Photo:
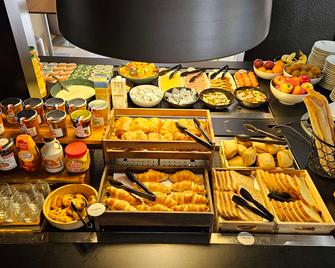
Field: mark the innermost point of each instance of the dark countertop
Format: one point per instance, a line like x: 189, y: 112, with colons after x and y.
x: 57, y: 249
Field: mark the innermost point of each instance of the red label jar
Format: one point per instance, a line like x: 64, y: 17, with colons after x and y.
x: 77, y: 157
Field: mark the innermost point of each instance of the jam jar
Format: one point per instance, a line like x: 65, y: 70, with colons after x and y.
x: 55, y: 104
x: 77, y: 157
x: 100, y: 112
x: 57, y: 122
x: 28, y: 122
x: 76, y: 104
x: 10, y: 107
x: 81, y: 120
x: 8, y: 154
x: 35, y: 104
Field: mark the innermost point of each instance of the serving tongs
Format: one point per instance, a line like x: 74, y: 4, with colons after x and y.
x: 177, y: 67
x: 186, y: 73
x: 244, y: 203
x: 282, y: 197
x: 147, y: 194
x: 197, y: 75
x: 224, y: 69
x: 206, y: 143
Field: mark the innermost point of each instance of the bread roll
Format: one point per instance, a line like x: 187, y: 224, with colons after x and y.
x: 249, y: 156
x: 230, y: 148
x: 272, y: 148
x: 266, y: 161
x: 241, y: 149
x: 284, y: 159
x: 237, y: 161
x: 260, y: 147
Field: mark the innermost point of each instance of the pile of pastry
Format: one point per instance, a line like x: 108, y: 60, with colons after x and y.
x: 299, y: 204
x: 154, y: 129
x: 227, y: 184
x: 181, y: 191
x: 61, y: 209
x: 265, y: 156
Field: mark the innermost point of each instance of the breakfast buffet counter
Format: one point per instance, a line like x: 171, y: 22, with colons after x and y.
x: 180, y: 248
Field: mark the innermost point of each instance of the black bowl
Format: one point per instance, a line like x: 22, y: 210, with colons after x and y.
x: 183, y: 105
x: 249, y: 104
x: 228, y: 94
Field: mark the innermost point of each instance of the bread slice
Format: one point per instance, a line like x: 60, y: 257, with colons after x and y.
x: 295, y: 213
x: 293, y: 185
x: 306, y: 195
x: 261, y: 176
x: 218, y: 203
x: 230, y: 183
x: 241, y: 179
x: 227, y: 204
x: 216, y: 181
x: 277, y: 185
x: 282, y: 210
x: 277, y: 210
x: 281, y: 183
x: 230, y: 148
x: 311, y: 213
x: 288, y: 212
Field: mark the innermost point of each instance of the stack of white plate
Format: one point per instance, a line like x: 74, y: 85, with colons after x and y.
x: 328, y: 79
x: 320, y: 51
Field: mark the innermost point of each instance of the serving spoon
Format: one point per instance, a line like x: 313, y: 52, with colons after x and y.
x: 61, y: 83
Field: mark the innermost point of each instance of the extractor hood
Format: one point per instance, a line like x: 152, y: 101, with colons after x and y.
x: 165, y: 30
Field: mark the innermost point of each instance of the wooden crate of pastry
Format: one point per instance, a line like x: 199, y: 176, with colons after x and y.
x: 138, y: 212
x: 151, y: 133
x: 236, y: 154
x: 306, y: 213
x: 230, y: 217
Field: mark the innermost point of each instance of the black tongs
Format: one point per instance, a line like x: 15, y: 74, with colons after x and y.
x: 186, y: 73
x: 224, y: 69
x: 178, y: 67
x: 207, y: 143
x: 118, y: 184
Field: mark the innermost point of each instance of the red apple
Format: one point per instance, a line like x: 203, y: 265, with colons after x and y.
x: 298, y: 90
x: 286, y: 87
x: 307, y: 86
x: 294, y: 81
x: 279, y: 79
x: 304, y: 79
x: 269, y: 64
x: 258, y: 63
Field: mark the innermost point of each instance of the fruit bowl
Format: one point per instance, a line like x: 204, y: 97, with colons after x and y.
x: 267, y: 69
x: 264, y: 75
x: 285, y: 98
x: 314, y: 81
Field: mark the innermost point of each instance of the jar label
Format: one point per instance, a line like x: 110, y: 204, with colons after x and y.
x: 58, y: 132
x: 39, y: 119
x: 32, y: 131
x: 8, y: 162
x: 82, y: 132
x: 75, y: 166
x: 98, y: 121
x: 56, y: 163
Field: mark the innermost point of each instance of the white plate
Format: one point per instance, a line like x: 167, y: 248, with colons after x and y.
x: 325, y: 46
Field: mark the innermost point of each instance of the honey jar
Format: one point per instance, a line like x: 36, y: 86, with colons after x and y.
x: 100, y: 112
x: 81, y: 120
x: 28, y: 122
x: 77, y: 157
x: 57, y: 122
x: 37, y: 105
x: 76, y: 104
x: 10, y: 107
x: 55, y: 104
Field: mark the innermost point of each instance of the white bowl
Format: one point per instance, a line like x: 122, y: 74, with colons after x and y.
x: 284, y: 98
x: 144, y: 88
x: 314, y: 81
x: 264, y: 75
x: 84, y: 189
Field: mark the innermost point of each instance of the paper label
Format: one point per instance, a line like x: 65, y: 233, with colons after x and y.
x: 32, y: 131
x: 58, y: 132
x: 82, y: 132
x: 53, y: 164
x: 98, y: 121
x: 8, y: 162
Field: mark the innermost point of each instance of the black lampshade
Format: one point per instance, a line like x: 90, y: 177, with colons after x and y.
x: 165, y: 30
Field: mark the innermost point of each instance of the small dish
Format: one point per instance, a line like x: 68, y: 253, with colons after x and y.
x: 246, y: 103
x: 229, y: 95
x: 142, y: 95
x: 181, y: 106
x: 138, y: 81
x: 314, y: 81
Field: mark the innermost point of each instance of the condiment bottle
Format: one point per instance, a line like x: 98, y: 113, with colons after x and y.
x: 29, y: 154
x: 52, y: 155
x: 102, y: 89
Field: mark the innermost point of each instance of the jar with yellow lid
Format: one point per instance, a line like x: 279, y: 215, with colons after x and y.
x: 77, y: 157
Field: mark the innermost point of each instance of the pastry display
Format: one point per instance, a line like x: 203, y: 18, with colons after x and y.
x: 154, y: 129
x: 180, y: 191
x: 299, y: 204
x: 61, y: 210
x: 62, y: 71
x: 228, y: 183
x: 250, y: 154
x: 244, y: 78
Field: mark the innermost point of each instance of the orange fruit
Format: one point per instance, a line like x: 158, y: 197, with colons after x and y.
x: 278, y: 68
x: 269, y: 71
x: 262, y: 69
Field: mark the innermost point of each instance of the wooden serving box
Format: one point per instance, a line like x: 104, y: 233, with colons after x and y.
x: 199, y: 221
x: 225, y: 164
x: 158, y: 149
x: 301, y: 227
x: 222, y: 225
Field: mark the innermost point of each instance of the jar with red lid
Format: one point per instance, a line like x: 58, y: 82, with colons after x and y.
x: 77, y: 157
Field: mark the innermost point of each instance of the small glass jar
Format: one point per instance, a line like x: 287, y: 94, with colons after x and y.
x: 35, y: 104
x: 76, y: 104
x: 100, y: 112
x: 28, y: 122
x: 77, y: 157
x: 55, y: 104
x: 57, y: 122
x: 81, y: 120
x: 8, y: 154
x: 10, y: 107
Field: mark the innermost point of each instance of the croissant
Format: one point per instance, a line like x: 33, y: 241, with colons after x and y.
x: 140, y: 123
x: 153, y: 136
x: 67, y: 199
x: 191, y: 207
x: 186, y: 175
x: 156, y: 207
x: 152, y: 176
x: 169, y: 125
x: 157, y: 187
x: 163, y: 199
x: 136, y: 135
x: 92, y: 199
x: 56, y: 202
x: 116, y: 204
x: 122, y: 125
x: 166, y: 135
x: 122, y: 195
x: 189, y: 197
x: 188, y: 185
x: 155, y: 124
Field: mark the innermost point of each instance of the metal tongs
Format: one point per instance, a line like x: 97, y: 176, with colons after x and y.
x: 147, y: 194
x: 176, y: 68
x: 224, y: 69
x: 274, y: 138
x: 207, y: 143
x: 196, y: 71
